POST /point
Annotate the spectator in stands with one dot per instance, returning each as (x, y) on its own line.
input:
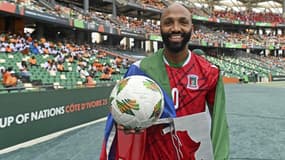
(39, 48)
(2, 71)
(89, 81)
(23, 65)
(92, 71)
(98, 65)
(101, 54)
(11, 80)
(125, 63)
(46, 64)
(195, 90)
(51, 66)
(60, 67)
(33, 61)
(82, 63)
(59, 58)
(5, 75)
(18, 46)
(46, 50)
(2, 48)
(29, 39)
(256, 76)
(24, 72)
(245, 78)
(70, 59)
(83, 72)
(26, 49)
(9, 49)
(107, 73)
(118, 61)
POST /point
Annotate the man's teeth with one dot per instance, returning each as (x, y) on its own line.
(175, 36)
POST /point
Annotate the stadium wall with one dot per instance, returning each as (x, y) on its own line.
(230, 80)
(30, 115)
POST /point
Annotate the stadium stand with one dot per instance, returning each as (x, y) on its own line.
(258, 53)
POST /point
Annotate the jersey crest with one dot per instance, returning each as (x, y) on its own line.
(192, 82)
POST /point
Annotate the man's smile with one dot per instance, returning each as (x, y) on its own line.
(175, 38)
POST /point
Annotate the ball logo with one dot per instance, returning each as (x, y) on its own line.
(122, 85)
(127, 105)
(151, 85)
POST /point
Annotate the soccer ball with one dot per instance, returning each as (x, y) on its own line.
(136, 102)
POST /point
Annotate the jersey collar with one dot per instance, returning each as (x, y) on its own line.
(180, 64)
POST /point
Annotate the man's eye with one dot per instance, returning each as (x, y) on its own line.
(184, 22)
(167, 22)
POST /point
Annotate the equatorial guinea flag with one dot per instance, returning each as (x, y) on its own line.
(117, 145)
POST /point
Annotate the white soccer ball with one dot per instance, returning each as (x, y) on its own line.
(136, 102)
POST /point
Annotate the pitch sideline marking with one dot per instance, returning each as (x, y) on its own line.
(48, 137)
(274, 84)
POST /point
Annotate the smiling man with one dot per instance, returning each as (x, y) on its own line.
(194, 101)
(176, 26)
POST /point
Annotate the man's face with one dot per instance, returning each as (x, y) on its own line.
(176, 28)
(174, 45)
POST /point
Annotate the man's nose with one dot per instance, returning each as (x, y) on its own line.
(176, 27)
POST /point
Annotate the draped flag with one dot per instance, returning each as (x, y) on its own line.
(117, 145)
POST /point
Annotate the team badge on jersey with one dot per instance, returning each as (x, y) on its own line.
(192, 81)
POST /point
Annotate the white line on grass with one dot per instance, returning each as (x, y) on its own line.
(48, 137)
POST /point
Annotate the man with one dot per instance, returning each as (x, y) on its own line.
(194, 86)
(11, 80)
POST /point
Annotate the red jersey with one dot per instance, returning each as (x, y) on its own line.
(196, 80)
(192, 85)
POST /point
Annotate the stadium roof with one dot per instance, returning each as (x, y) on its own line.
(274, 6)
(132, 9)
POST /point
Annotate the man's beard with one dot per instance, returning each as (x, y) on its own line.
(175, 47)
